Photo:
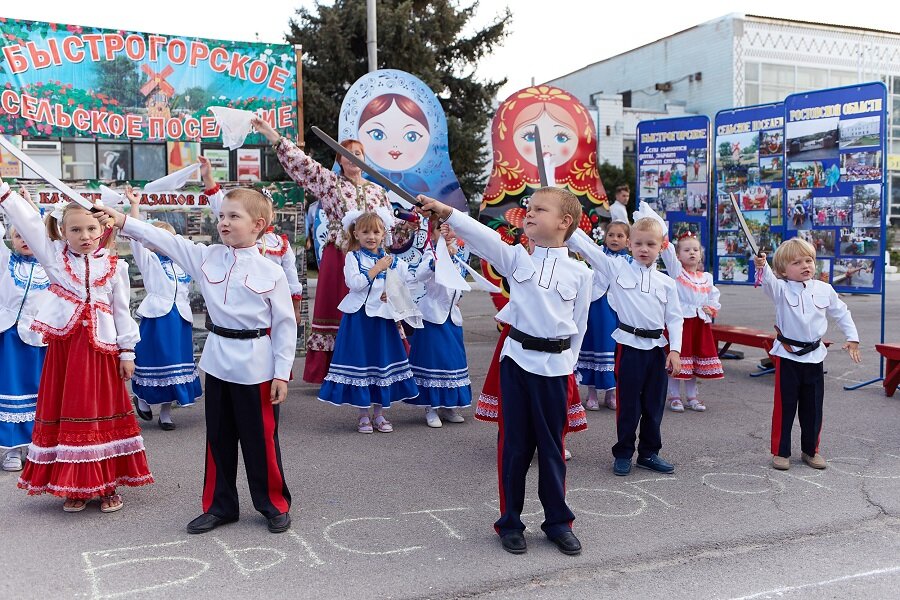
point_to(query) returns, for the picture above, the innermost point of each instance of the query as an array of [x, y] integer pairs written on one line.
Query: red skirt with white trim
[[699, 354], [86, 441], [487, 408]]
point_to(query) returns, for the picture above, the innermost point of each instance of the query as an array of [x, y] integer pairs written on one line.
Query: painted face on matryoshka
[[395, 132], [558, 133]]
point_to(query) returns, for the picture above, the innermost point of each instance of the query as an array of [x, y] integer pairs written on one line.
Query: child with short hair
[[699, 299], [802, 307], [547, 313], [369, 367], [597, 361], [646, 304], [247, 357]]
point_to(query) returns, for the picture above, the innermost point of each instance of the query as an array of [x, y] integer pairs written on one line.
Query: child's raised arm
[[582, 243], [28, 223]]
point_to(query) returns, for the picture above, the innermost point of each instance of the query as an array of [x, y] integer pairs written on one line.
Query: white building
[[736, 60]]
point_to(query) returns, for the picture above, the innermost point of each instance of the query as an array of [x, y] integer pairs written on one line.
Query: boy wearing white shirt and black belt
[[646, 303], [802, 307], [547, 313], [247, 357]]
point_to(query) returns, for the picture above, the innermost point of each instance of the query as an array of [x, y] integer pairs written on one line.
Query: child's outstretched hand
[[279, 391], [118, 218], [431, 206], [852, 349], [760, 261], [206, 172], [673, 363], [27, 195], [134, 210]]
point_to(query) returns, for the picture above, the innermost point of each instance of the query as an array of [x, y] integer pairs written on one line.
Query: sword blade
[[539, 155], [26, 160], [365, 168], [751, 241]]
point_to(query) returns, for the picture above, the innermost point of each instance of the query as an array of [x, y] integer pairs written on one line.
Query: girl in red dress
[[86, 441]]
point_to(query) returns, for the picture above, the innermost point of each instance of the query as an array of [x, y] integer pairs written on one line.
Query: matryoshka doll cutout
[[569, 142], [403, 129]]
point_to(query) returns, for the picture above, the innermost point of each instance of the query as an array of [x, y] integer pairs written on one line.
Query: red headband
[[687, 234]]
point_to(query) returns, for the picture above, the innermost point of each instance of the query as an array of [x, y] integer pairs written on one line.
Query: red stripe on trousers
[[276, 483], [776, 408], [500, 463], [209, 483]]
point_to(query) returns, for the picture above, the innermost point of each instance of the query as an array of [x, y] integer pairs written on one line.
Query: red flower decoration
[[505, 235], [515, 216], [585, 224]]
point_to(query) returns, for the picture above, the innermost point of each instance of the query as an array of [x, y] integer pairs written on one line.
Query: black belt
[[540, 344], [235, 334], [653, 334], [801, 348]]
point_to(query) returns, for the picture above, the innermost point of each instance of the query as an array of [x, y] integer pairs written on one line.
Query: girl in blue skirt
[[596, 361], [369, 366], [24, 286], [437, 354], [165, 371]]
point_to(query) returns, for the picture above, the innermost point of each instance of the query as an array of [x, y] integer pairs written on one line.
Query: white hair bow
[[57, 212], [646, 211], [383, 212]]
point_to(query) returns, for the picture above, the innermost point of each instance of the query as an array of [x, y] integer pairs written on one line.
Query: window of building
[[114, 161], [842, 78], [79, 160], [149, 161], [809, 78]]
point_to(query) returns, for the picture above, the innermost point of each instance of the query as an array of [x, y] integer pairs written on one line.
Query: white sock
[[165, 412], [690, 388], [143, 405], [363, 412], [674, 388], [610, 393], [592, 393], [377, 410]]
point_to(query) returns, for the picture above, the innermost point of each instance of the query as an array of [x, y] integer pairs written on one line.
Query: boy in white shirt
[[547, 313], [802, 307]]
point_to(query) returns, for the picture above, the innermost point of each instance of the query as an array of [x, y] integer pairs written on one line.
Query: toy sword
[[539, 155], [365, 168], [751, 241], [43, 174]]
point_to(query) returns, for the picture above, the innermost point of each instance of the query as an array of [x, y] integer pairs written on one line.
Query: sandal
[[695, 404], [676, 405], [110, 504], [364, 425], [383, 425], [73, 505]]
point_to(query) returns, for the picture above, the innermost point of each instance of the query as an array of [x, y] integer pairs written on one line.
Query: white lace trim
[[22, 397], [27, 417], [442, 383], [172, 367], [76, 490], [367, 381], [21, 405], [602, 367], [83, 454], [165, 381]]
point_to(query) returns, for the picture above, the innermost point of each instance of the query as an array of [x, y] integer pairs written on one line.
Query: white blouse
[[364, 291], [695, 290], [166, 284], [22, 293]]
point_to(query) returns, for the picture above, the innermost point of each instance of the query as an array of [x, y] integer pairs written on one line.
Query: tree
[[424, 38], [121, 80], [613, 176]]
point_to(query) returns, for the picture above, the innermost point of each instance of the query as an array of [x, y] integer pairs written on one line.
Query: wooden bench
[[726, 335], [891, 353]]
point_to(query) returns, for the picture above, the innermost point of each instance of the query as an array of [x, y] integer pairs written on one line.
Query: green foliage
[[431, 40], [120, 80], [613, 176]]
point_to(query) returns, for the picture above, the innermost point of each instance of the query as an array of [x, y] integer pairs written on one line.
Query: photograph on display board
[[816, 139], [771, 169], [249, 167], [10, 167], [830, 211], [771, 143], [732, 177], [114, 162], [696, 165], [671, 200], [731, 242], [758, 221], [860, 241], [821, 240], [753, 198], [861, 166], [181, 155], [220, 163], [854, 272], [861, 132], [867, 205], [776, 196], [649, 181], [812, 174], [673, 175], [733, 268], [799, 209], [726, 218], [769, 243], [737, 149], [823, 269], [697, 199]]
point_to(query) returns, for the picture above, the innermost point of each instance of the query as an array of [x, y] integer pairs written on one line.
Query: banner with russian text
[[673, 172], [75, 81], [749, 163]]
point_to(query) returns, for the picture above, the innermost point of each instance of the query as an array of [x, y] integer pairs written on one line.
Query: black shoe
[[144, 415], [280, 523], [622, 466], [514, 542], [207, 522], [655, 463], [165, 426], [567, 544]]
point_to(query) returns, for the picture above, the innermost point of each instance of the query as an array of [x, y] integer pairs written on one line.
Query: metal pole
[[371, 35]]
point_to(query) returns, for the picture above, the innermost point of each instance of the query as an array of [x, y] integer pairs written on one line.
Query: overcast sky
[[547, 39]]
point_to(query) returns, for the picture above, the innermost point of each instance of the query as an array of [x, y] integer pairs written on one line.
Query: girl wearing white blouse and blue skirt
[[369, 366]]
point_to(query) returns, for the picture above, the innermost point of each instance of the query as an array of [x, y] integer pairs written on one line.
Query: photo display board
[[673, 172], [749, 163]]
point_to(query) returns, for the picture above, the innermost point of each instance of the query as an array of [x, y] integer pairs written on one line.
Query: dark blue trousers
[[641, 381], [533, 415]]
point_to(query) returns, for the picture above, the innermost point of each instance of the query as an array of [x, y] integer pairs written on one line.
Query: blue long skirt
[[597, 359], [438, 359], [21, 365], [369, 365], [164, 368]]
